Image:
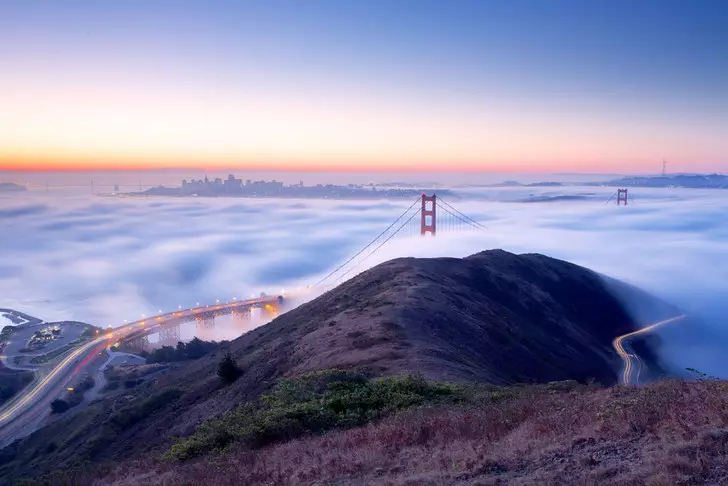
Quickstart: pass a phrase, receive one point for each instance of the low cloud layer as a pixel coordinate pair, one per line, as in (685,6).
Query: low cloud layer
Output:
(103,260)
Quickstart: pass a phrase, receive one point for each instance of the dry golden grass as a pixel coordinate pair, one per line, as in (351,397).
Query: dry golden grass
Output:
(669,433)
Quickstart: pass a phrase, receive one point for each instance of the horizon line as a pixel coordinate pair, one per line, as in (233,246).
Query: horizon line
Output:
(409,170)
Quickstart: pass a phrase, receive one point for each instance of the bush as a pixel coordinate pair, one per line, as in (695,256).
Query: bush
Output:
(228,369)
(132,383)
(312,404)
(194,349)
(59,406)
(75,396)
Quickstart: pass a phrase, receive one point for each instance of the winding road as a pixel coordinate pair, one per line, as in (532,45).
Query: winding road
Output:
(632,363)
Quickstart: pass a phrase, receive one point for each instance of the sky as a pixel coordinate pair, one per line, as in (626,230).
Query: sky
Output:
(70,255)
(509,86)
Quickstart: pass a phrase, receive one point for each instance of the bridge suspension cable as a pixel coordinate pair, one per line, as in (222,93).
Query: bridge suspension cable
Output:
(457,214)
(380,245)
(373,241)
(455,220)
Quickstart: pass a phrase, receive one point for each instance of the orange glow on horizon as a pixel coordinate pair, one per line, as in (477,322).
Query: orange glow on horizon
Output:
(61,165)
(115,128)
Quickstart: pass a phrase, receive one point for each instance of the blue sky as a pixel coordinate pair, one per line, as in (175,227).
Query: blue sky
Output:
(496,84)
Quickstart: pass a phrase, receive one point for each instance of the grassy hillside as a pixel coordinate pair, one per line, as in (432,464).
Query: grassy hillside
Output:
(563,433)
(494,317)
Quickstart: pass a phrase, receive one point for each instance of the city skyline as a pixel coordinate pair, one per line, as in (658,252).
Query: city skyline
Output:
(524,86)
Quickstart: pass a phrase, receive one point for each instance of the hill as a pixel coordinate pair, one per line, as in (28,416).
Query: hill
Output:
(493,317)
(665,434)
(11,187)
(689,181)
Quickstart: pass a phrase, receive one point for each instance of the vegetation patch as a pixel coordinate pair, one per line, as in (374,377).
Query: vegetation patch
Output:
(6,333)
(12,381)
(133,413)
(228,370)
(57,352)
(128,376)
(74,396)
(194,349)
(312,404)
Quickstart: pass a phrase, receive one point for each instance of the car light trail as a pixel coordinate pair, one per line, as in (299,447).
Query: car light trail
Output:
(618,345)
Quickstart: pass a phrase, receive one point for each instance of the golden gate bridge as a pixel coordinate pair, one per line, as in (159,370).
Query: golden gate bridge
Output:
(427,216)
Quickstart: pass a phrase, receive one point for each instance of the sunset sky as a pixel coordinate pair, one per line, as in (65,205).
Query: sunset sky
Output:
(512,85)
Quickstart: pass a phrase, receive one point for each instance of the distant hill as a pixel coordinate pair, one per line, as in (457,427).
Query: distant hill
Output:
(11,187)
(493,317)
(689,181)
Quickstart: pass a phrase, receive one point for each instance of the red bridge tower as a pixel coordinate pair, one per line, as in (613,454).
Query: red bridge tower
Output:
(428,215)
(621,196)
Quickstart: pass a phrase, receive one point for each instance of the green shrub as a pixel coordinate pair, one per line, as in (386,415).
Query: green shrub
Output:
(228,369)
(311,404)
(59,406)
